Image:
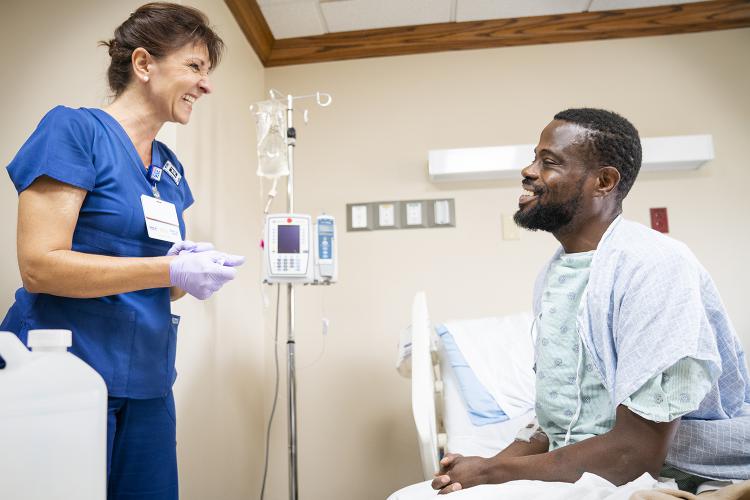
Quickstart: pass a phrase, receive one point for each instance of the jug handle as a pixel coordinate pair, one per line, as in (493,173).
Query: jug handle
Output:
(11,349)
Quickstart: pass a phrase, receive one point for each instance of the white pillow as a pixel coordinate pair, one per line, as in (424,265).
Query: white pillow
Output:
(500,352)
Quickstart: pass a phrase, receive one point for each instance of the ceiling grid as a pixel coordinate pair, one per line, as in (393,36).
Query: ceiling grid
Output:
(297,18)
(307,31)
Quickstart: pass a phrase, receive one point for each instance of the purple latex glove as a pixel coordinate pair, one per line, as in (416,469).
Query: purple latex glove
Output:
(202,274)
(188,246)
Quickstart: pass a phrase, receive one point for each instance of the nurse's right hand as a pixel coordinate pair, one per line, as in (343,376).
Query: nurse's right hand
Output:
(202,274)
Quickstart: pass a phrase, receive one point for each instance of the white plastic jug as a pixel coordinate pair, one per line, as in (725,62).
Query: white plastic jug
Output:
(53,421)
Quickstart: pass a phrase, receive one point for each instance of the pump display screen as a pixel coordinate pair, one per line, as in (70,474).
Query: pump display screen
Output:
(288,239)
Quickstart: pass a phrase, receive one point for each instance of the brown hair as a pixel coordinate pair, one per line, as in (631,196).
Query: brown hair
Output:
(160,28)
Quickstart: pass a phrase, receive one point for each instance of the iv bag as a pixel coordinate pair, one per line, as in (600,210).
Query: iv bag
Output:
(270,121)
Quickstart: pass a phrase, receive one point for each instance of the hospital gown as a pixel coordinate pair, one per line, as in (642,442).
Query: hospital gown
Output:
(648,304)
(570,394)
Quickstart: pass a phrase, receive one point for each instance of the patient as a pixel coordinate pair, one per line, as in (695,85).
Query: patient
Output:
(638,367)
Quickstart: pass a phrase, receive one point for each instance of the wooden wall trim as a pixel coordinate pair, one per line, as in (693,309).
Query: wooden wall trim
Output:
(254,26)
(627,23)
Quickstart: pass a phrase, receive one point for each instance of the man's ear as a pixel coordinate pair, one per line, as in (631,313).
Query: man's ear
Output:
(607,181)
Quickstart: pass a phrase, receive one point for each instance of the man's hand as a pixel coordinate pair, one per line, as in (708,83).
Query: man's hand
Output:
(634,445)
(458,472)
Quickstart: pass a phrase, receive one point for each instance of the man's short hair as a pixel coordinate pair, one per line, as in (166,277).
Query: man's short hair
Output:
(612,140)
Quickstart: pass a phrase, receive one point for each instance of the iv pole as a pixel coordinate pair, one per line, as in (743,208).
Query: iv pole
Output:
(291,135)
(291,373)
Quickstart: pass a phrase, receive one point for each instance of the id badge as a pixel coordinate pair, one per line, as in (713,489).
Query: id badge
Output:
(161,219)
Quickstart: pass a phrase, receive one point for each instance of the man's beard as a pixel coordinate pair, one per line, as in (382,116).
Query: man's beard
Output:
(550,217)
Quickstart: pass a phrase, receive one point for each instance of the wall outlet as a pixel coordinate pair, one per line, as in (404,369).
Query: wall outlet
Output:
(414,213)
(358,217)
(441,212)
(386,215)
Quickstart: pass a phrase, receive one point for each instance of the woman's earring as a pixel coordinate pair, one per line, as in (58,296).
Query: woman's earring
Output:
(145,78)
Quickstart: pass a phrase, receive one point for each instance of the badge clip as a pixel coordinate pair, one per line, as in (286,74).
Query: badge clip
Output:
(154,175)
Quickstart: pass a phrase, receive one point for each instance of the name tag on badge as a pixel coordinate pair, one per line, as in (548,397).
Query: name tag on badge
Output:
(161,219)
(171,171)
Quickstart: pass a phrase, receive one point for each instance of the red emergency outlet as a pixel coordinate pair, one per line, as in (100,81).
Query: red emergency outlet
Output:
(659,220)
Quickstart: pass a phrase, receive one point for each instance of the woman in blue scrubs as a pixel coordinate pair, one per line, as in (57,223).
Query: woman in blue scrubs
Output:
(101,230)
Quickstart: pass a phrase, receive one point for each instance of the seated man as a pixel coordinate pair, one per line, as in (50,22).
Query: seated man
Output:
(638,368)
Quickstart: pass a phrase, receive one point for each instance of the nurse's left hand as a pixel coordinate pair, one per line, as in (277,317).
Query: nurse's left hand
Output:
(188,246)
(201,274)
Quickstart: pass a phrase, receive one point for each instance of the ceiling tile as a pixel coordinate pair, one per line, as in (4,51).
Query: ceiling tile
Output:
(293,19)
(350,15)
(633,4)
(479,10)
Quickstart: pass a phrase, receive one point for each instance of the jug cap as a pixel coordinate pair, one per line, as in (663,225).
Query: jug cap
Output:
(50,338)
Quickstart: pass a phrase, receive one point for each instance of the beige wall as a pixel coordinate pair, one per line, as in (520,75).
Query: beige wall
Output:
(50,57)
(356,433)
(220,353)
(357,438)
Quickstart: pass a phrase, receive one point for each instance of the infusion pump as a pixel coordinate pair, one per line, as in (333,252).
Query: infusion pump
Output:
(296,251)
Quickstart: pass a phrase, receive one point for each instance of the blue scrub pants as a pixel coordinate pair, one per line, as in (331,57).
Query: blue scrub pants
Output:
(141,449)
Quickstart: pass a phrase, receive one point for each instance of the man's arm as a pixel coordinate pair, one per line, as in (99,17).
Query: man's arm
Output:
(538,443)
(634,446)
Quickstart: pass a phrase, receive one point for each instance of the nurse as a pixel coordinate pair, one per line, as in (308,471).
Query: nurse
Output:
(101,245)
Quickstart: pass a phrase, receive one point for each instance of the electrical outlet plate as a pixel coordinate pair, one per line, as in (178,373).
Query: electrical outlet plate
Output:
(441,212)
(386,214)
(408,214)
(414,214)
(358,217)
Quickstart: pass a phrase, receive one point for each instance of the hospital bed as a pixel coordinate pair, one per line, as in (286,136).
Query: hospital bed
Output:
(441,409)
(499,352)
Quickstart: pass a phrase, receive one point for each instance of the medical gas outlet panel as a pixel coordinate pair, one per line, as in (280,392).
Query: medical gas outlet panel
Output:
(296,251)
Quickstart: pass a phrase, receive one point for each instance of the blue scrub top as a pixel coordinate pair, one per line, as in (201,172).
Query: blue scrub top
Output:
(128,338)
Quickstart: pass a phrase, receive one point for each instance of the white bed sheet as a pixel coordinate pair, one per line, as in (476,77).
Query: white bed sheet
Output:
(463,436)
(589,487)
